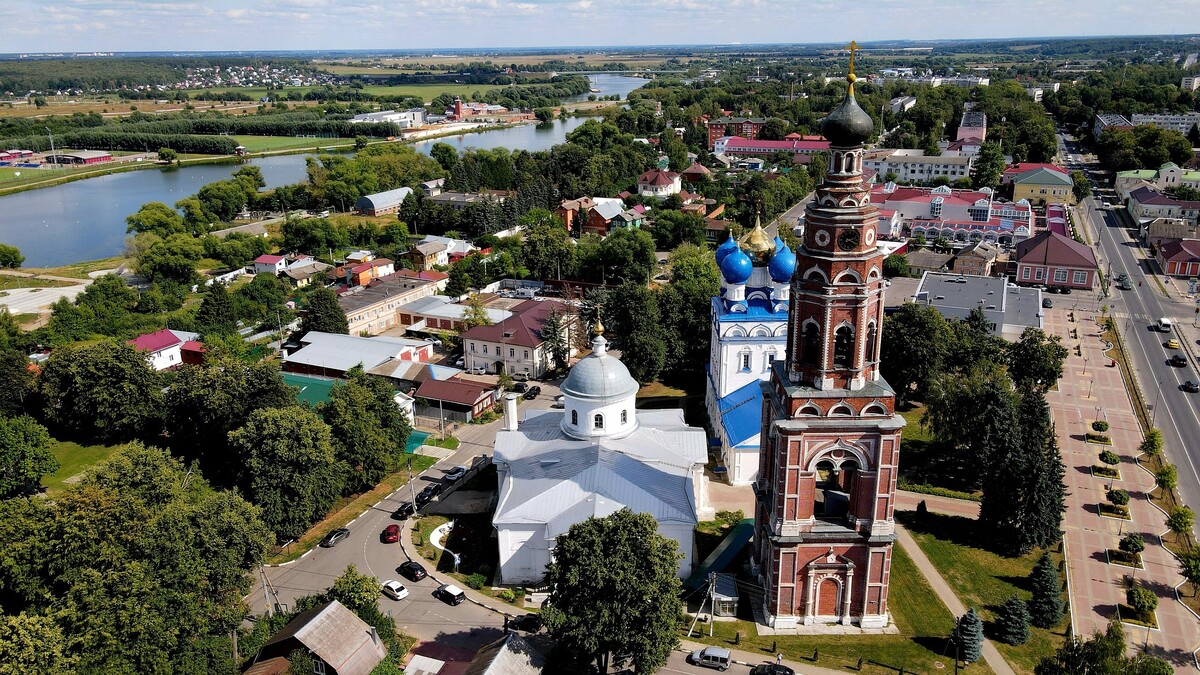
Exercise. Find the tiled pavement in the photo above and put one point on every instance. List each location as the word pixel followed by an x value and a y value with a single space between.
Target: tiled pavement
pixel 1090 390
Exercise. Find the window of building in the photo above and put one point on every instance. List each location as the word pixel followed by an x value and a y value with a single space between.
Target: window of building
pixel 512 352
pixel 745 361
pixel 811 347
pixel 598 421
pixel 318 667
pixel 1079 277
pixel 526 353
pixel 770 360
pixel 485 349
pixel 1039 273
pixel 1025 273
pixel 872 340
pixel 843 346
pixel 574 418
pixel 624 417
pixel 1060 276
pixel 472 347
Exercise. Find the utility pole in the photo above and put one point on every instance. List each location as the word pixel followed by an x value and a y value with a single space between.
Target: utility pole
pixel 51 134
pixel 266 598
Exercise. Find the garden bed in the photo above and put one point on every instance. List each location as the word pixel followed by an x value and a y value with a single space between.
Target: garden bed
pixel 1119 557
pixel 1104 471
pixel 1097 439
pixel 1133 617
pixel 1112 511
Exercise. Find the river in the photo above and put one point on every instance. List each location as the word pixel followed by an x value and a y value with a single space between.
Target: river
pixel 85 220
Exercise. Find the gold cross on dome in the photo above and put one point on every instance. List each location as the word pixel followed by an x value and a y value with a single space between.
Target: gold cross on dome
pixel 853 48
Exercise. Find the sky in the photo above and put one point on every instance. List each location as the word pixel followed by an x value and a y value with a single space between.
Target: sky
pixel 256 25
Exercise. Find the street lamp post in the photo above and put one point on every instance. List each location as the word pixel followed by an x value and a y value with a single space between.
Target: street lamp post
pixel 51 135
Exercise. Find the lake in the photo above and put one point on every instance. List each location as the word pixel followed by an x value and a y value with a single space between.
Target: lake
pixel 85 220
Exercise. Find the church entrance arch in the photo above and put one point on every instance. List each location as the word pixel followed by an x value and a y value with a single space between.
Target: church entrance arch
pixel 829 598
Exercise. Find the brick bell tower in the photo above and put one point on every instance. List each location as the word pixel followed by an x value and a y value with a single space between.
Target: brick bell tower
pixel 831 438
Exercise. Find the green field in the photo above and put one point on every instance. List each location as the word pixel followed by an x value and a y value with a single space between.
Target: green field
pixel 427 92
pixel 9 281
pixel 75 459
pixel 268 143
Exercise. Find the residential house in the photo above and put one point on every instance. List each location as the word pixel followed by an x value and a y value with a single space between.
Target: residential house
pixel 746 127
pixel 454 399
pixel 269 264
pixel 363 273
pixel 659 184
pixel 303 275
pixel 1109 121
pixel 1017 168
pixel 455 249
pixel 1146 204
pixel 1183 123
pixel 957 215
pixel 928 260
pixel 164 349
pixel 338 642
pixel 571 209
pixel 1043 186
pixel 510 655
pixel 972 125
pixel 1166 176
pixel 800 147
pixel 439 279
pixel 902 103
pixel 1053 259
pixel 382 203
pixel 441 313
pixel 599 218
pixel 915 165
pixel 696 173
pixel 372 309
pixel 426 256
pixel 1180 258
pixel 1164 230
pixel 596 456
pixel 977 259
pixel 517 344
pixel 333 354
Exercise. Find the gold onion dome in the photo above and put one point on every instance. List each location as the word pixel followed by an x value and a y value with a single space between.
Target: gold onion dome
pixel 757 245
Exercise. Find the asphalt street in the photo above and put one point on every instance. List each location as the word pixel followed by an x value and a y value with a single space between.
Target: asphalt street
pixel 1137 311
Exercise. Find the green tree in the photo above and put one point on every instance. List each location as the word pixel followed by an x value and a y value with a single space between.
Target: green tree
pixel 1141 599
pixel 1080 187
pixel 289 467
pixel 167 155
pixel 476 314
pixel 915 338
pixel 1152 443
pixel 18 380
pixel 672 228
pixel 614 589
pixel 10 256
pixel 1012 622
pixel 355 590
pixel 1103 654
pixel 216 316
pixel 1046 497
pixel 546 248
pixel 324 314
pixel 988 166
pixel 1189 567
pixel 554 332
pixel 1046 605
pixel 106 391
pixel 895 266
pixel 1166 478
pixel 445 154
pixel 968 637
pixel 973 417
pixel 156 218
pixel 635 318
pixel 1133 544
pixel 369 430
pixel 206 402
pixel 171 259
pixel 360 142
pixel 1036 360
pixel 627 256
pixel 24 454
pixel 1180 521
pixel 32 644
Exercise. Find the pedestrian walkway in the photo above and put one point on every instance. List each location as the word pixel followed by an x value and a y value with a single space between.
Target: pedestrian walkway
pixel 752 659
pixel 991 655
pixel 1092 390
pixel 907 501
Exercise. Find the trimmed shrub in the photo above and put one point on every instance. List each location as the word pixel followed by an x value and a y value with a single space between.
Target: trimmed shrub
pixel 1141 599
pixel 1100 425
pixel 1118 497
pixel 1109 457
pixel 476 581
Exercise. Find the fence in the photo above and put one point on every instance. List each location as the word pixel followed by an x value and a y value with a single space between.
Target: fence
pixel 437 416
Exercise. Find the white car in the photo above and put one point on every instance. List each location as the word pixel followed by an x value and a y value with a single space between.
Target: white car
pixel 477 371
pixel 434 341
pixel 459 362
pixel 394 590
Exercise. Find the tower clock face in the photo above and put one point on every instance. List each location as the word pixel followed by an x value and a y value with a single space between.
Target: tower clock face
pixel 848 240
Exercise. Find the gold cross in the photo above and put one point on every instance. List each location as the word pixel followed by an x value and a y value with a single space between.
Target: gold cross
pixel 853 48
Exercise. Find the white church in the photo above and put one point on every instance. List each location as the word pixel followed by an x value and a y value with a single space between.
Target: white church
pixel 593 458
pixel 749 332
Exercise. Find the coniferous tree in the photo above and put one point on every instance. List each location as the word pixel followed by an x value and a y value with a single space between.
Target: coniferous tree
pixel 216 315
pixel 324 314
pixel 968 636
pixel 1046 605
pixel 1047 493
pixel 1012 624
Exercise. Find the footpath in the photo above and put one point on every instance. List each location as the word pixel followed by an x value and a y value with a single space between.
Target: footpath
pixel 1092 390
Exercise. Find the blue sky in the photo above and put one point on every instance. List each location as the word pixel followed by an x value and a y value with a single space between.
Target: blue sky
pixel 167 25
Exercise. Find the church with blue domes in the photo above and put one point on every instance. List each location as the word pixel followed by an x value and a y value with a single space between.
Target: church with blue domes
pixel 749 333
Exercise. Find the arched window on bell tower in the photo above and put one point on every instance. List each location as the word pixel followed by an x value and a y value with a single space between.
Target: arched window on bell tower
pixel 810 348
pixel 872 343
pixel 843 347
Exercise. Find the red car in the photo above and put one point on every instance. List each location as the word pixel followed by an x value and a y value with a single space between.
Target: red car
pixel 391 534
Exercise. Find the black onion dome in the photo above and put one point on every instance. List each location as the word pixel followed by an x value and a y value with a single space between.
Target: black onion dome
pixel 848 125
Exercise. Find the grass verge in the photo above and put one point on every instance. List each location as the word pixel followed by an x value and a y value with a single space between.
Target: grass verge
pixel 79 270
pixel 983 579
pixel 347 509
pixel 10 282
pixel 74 459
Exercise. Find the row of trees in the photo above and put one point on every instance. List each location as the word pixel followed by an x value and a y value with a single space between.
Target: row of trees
pixel 133 142
pixel 1144 146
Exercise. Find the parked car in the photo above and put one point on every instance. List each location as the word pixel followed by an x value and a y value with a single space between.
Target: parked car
pixel 394 590
pixel 450 594
pixel 520 387
pixel 334 537
pixel 771 669
pixel 434 341
pixel 412 570
pixel 425 496
pixel 459 362
pixel 560 401
pixel 404 511
pixel 478 370
pixel 455 474
pixel 391 534
pixel 533 393
pixel 1178 360
pixel 662 261
pixel 711 657
pixel 530 623
pixel 1047 303
pixel 520 377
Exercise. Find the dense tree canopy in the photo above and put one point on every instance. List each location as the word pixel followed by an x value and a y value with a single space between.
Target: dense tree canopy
pixel 105 391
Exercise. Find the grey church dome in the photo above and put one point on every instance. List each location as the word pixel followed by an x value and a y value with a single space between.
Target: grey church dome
pixel 599 378
pixel 848 125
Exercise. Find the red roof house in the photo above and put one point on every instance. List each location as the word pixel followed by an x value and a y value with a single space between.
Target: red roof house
pixel 456 398
pixel 1180 258
pixel 1052 259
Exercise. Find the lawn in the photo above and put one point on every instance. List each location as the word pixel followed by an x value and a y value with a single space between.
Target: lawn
pixel 923 621
pixel 267 143
pixel 922 462
pixel 78 270
pixel 983 579
pixel 427 92
pixel 9 282
pixel 74 460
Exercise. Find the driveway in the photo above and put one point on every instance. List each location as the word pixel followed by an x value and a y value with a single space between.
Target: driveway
pixel 35 300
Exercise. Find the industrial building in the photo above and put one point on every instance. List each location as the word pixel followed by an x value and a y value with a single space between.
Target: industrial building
pixel 382 203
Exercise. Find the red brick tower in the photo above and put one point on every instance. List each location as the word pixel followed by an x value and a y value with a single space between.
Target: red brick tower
pixel 831 438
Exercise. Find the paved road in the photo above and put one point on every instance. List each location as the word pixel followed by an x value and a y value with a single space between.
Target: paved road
pixel 1175 411
pixel 792 216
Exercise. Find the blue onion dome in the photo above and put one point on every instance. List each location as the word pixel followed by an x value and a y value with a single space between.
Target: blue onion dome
pixel 725 249
pixel 737 267
pixel 783 264
pixel 848 125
